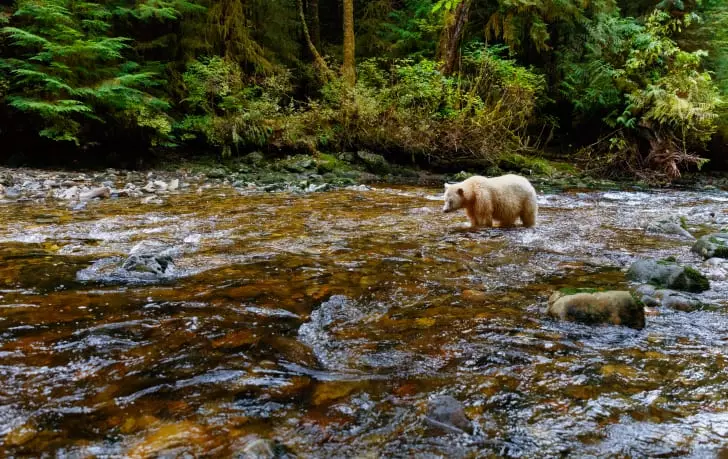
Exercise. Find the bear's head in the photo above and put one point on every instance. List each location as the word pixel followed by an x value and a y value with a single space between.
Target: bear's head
pixel 454 197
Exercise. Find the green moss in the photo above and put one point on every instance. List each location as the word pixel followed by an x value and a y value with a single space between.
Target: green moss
pixel 519 163
pixel 330 163
pixel 698 282
pixel 721 252
pixel 683 222
pixel 671 260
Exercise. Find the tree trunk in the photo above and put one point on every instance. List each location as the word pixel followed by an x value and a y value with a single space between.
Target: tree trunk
pixel 318 61
pixel 451 36
pixel 314 24
pixel 349 69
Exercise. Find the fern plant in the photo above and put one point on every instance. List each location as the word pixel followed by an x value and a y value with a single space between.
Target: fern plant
pixel 70 74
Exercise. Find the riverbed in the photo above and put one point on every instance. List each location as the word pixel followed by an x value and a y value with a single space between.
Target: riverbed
pixel 322 323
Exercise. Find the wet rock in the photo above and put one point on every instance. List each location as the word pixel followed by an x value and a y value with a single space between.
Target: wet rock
pixel 152 200
pixel 298 164
pixel 21 435
pixel 173 185
pixel 183 439
pixel 259 449
pixel 255 158
pixel 374 163
pixel 712 245
pixel 670 225
pixel 12 193
pixel 6 179
pixel 160 185
pixel 69 194
pixel 315 188
pixel 339 314
pixel 610 307
pixel 151 257
pixel 217 173
pixel 263 448
pixel 446 414
pixel 149 188
pixel 101 193
pixel 668 274
pixel 716 268
pixel 680 301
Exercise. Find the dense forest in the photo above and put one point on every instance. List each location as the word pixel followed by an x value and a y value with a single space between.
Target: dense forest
pixel 633 86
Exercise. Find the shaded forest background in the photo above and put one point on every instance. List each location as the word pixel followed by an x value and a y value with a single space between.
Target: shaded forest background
pixel 627 86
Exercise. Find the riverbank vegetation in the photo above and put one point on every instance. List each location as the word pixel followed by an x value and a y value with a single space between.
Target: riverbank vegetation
pixel 620 87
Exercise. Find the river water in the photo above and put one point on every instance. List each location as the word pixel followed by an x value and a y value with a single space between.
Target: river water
pixel 326 321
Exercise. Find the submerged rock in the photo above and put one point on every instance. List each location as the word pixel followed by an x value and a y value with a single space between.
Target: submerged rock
pixel 258 449
pixel 446 414
pixel 151 257
pixel 672 299
pixel 671 225
pixel 712 245
pixel 668 274
pixel 610 307
pixel 680 301
pixel 339 315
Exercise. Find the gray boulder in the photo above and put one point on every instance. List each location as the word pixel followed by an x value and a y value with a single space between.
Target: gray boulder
pixel 101 193
pixel 446 414
pixel 151 257
pixel 12 193
pixel 668 274
pixel 610 307
pixel 670 225
pixel 374 163
pixel 712 245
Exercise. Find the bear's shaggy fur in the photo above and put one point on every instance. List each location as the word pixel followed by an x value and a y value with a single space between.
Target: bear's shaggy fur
pixel 504 199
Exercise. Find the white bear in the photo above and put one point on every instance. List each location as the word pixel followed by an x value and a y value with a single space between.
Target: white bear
pixel 504 198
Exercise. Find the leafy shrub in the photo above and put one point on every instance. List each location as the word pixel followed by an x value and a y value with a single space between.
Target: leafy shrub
pixel 660 103
pixel 68 75
pixel 226 109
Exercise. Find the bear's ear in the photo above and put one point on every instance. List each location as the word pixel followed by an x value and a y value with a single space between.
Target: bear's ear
pixel 461 192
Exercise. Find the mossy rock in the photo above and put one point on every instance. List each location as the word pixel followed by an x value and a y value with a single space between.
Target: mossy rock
pixel 326 163
pixel 374 163
pixel 668 274
pixel 607 307
pixel 526 164
pixel 217 173
pixel 712 245
pixel 255 158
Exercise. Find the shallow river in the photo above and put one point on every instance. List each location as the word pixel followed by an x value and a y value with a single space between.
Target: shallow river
pixel 326 321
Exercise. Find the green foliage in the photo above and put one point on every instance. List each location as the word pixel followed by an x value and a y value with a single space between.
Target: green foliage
pixel 233 75
pixel 522 23
pixel 70 74
pixel 225 109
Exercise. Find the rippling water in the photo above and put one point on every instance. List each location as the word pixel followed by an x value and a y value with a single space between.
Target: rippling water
pixel 326 321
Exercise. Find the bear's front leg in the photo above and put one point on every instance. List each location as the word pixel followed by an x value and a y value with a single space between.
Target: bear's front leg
pixel 472 217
